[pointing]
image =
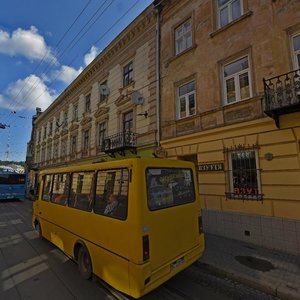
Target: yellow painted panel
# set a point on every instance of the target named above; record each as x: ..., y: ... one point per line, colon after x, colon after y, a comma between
x: 282, y: 192
x: 210, y: 146
x: 252, y: 139
x: 297, y: 133
x: 213, y: 156
x: 287, y: 209
x: 274, y: 137
x: 213, y: 189
x: 228, y: 143
x: 290, y: 120
x: 241, y: 140
x: 285, y: 163
x: 281, y: 177
x: 213, y: 202
x: 279, y: 150
x: 213, y: 177
x: 249, y: 207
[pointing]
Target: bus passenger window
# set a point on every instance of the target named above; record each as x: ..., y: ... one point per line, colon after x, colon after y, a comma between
x: 81, y: 193
x: 60, y: 189
x: 169, y: 187
x: 47, y: 187
x: 112, y: 193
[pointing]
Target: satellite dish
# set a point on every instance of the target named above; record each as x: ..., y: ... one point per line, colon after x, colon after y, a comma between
x: 104, y: 90
x: 137, y: 98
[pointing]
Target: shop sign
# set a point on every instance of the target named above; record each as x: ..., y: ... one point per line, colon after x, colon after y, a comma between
x: 211, y: 167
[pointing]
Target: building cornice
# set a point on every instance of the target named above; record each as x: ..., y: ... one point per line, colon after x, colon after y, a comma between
x: 119, y: 43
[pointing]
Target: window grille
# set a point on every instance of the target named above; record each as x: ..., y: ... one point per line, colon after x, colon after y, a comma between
x: 243, y: 174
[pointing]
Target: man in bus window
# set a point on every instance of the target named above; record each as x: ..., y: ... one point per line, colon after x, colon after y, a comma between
x: 112, y: 203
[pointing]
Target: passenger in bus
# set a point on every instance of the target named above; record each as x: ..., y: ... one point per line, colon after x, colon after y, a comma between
x: 112, y: 203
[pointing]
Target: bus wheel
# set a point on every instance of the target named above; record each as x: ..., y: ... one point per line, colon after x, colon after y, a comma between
x: 84, y: 263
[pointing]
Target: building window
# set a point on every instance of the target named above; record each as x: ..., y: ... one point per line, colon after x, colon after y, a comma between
x: 40, y: 135
x: 50, y: 128
x: 49, y: 152
x: 86, y: 139
x: 88, y: 103
x: 186, y: 100
x: 127, y: 74
x: 183, y: 37
x: 104, y: 91
x: 237, y: 81
x: 73, y: 144
x: 128, y: 121
x: 45, y: 132
x: 75, y: 112
x: 55, y: 152
x: 228, y: 11
x: 243, y: 173
x: 101, y: 133
x: 296, y: 51
x: 64, y: 147
x: 65, y: 118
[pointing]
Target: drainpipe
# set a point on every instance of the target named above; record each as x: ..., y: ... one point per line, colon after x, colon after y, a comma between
x: 158, y: 7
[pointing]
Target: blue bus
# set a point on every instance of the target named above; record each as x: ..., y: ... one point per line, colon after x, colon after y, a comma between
x: 12, y: 185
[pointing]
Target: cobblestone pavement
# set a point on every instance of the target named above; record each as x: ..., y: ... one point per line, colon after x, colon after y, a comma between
x: 32, y: 268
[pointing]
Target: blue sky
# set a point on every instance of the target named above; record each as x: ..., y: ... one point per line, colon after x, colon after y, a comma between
x: 44, y: 45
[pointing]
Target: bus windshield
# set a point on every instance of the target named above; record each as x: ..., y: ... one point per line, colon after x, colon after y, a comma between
x: 169, y: 187
x: 12, y: 178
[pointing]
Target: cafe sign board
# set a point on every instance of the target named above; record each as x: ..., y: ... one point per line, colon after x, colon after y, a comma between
x: 211, y: 167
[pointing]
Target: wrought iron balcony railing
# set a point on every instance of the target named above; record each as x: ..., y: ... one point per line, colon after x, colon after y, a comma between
x: 282, y: 95
x: 119, y: 143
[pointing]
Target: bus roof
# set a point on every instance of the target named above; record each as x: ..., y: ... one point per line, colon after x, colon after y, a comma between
x: 119, y: 163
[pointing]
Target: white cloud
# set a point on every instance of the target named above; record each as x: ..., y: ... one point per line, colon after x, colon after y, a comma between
x: 90, y: 56
x: 67, y: 74
x: 27, y: 94
x: 28, y: 43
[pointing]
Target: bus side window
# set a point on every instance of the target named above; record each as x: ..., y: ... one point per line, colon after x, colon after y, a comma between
x: 81, y: 191
x: 60, y: 189
x: 47, y: 188
x: 112, y: 184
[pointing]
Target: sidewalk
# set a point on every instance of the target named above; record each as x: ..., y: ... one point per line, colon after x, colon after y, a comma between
x: 274, y: 272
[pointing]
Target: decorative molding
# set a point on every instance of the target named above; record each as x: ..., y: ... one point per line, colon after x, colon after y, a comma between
x: 87, y: 119
x: 74, y: 127
x: 101, y: 111
x: 64, y: 132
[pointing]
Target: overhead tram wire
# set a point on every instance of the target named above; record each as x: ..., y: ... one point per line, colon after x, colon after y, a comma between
x: 74, y: 58
x: 45, y: 55
x: 48, y: 68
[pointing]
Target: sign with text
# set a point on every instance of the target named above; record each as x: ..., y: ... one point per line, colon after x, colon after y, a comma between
x: 211, y: 167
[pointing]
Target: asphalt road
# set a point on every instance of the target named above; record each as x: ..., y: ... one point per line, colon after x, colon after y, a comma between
x: 32, y: 268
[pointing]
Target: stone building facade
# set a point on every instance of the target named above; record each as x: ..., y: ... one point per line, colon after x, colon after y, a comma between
x: 230, y: 103
x: 228, y: 100
x: 109, y: 110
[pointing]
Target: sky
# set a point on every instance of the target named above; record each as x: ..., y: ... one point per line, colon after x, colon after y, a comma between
x: 44, y: 46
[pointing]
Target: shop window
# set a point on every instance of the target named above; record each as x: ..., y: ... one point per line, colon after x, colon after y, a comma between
x: 243, y: 174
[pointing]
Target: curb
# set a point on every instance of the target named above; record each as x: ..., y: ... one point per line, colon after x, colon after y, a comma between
x: 283, y: 291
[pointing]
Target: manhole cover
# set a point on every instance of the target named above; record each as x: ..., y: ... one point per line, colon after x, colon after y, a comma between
x: 255, y: 263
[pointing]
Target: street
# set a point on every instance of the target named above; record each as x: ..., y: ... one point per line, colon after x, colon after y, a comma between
x: 32, y: 268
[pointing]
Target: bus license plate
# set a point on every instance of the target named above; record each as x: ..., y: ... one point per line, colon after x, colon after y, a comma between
x: 177, y: 263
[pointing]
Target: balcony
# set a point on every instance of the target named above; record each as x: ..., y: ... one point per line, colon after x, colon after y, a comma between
x: 119, y: 143
x: 282, y: 95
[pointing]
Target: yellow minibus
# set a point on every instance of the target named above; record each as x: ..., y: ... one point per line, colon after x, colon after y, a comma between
x: 134, y: 223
